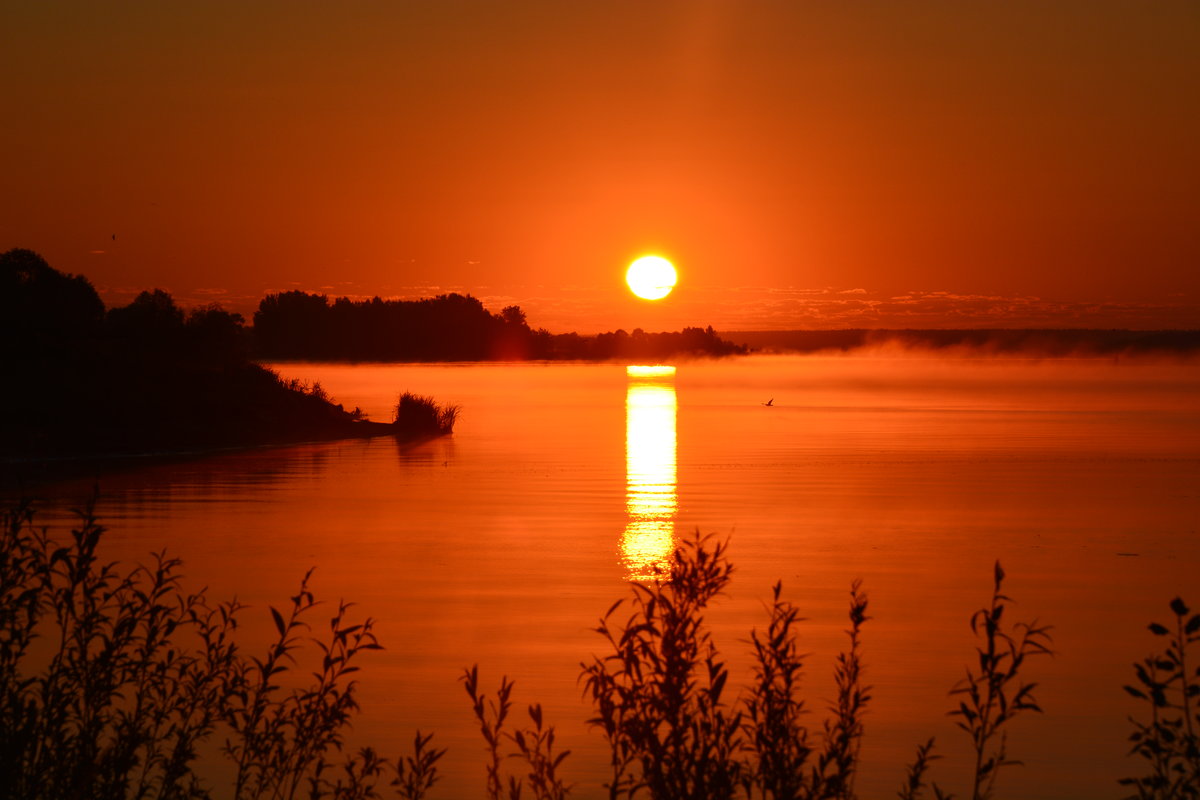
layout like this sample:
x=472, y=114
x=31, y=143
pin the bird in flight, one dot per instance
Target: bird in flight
x=770, y=402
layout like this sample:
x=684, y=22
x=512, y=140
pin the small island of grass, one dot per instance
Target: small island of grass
x=419, y=415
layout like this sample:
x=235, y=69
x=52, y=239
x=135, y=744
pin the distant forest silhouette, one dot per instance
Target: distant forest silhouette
x=449, y=327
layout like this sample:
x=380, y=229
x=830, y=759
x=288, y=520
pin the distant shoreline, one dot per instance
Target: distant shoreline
x=1033, y=342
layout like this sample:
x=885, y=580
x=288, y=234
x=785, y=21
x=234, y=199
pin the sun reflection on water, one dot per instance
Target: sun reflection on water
x=650, y=407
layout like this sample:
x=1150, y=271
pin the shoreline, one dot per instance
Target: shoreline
x=36, y=470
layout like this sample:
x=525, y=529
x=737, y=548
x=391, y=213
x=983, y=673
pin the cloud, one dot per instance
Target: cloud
x=770, y=308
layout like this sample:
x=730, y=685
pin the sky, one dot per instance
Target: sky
x=803, y=164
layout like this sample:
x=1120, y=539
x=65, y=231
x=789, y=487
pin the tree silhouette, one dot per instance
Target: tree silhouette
x=44, y=312
x=292, y=324
x=143, y=377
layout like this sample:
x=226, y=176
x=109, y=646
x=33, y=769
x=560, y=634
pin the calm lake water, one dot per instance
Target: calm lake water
x=502, y=544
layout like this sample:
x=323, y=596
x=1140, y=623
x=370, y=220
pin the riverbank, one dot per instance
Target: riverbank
x=29, y=472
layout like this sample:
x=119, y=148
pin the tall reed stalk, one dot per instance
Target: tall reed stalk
x=995, y=693
x=1170, y=682
x=534, y=746
x=659, y=693
x=785, y=760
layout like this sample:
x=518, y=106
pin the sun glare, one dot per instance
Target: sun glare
x=650, y=411
x=651, y=277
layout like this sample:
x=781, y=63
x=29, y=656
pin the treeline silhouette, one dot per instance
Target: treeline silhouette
x=449, y=327
x=1049, y=342
x=82, y=379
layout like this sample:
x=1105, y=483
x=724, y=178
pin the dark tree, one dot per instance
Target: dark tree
x=44, y=311
x=216, y=337
x=513, y=316
x=292, y=325
x=150, y=314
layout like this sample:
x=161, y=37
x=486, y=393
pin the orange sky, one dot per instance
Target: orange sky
x=803, y=164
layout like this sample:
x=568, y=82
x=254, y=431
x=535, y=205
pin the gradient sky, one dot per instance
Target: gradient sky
x=803, y=164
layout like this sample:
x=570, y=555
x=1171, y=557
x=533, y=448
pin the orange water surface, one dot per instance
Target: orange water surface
x=502, y=544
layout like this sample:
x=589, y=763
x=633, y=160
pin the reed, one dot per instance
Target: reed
x=658, y=696
x=417, y=773
x=112, y=681
x=117, y=707
x=774, y=727
x=783, y=758
x=1169, y=681
x=534, y=747
x=421, y=414
x=996, y=692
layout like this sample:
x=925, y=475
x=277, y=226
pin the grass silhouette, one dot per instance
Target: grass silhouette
x=116, y=683
x=419, y=414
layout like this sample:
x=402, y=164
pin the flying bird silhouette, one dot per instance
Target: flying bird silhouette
x=770, y=402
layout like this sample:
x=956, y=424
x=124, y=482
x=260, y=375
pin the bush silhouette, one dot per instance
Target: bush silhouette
x=420, y=415
x=137, y=677
x=44, y=312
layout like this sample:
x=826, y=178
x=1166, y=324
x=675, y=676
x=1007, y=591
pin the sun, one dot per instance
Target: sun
x=651, y=277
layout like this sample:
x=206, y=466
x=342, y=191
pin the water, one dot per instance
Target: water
x=502, y=544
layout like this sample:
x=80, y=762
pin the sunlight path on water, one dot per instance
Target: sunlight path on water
x=650, y=408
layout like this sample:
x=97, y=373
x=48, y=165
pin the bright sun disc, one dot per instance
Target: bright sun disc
x=651, y=277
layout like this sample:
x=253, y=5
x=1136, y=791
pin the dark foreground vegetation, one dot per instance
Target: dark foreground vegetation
x=83, y=380
x=1033, y=343
x=449, y=327
x=118, y=683
x=417, y=415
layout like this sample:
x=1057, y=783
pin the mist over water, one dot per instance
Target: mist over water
x=502, y=544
